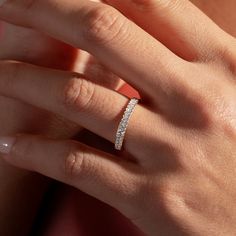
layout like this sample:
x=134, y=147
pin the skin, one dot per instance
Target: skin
x=221, y=12
x=19, y=196
x=206, y=125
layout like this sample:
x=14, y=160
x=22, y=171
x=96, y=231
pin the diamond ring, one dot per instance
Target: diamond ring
x=120, y=134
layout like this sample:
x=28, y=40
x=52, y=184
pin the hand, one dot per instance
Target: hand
x=19, y=197
x=18, y=43
x=176, y=175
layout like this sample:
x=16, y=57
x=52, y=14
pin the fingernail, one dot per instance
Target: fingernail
x=6, y=144
x=1, y=2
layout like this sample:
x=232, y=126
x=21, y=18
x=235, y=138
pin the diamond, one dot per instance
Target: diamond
x=120, y=134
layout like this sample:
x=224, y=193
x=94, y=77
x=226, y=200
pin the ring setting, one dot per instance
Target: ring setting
x=120, y=134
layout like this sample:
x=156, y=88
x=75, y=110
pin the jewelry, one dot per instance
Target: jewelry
x=120, y=134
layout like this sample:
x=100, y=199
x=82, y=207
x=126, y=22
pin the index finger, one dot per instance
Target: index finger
x=121, y=45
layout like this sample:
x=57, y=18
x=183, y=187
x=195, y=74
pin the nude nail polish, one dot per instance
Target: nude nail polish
x=6, y=144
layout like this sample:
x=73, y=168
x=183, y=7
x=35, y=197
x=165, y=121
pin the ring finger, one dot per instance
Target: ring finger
x=65, y=93
x=68, y=94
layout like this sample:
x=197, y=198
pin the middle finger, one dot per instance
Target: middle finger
x=101, y=30
x=92, y=106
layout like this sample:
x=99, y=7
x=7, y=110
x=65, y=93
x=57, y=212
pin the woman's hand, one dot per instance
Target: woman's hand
x=19, y=197
x=176, y=175
x=27, y=45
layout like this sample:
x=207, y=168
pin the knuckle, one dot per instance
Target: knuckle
x=78, y=94
x=213, y=99
x=227, y=56
x=164, y=195
x=222, y=110
x=199, y=100
x=201, y=109
x=74, y=164
x=194, y=106
x=102, y=25
x=213, y=106
x=171, y=200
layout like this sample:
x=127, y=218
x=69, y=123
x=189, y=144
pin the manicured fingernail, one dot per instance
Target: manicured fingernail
x=6, y=144
x=1, y=2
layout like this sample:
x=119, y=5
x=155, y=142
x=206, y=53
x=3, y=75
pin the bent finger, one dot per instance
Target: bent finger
x=99, y=174
x=83, y=102
x=67, y=94
x=101, y=30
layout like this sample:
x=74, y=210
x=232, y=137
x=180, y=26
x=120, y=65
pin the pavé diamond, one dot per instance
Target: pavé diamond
x=120, y=134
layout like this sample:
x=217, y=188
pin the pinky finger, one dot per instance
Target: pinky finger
x=99, y=174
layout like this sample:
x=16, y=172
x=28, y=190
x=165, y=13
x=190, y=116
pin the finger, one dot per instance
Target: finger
x=98, y=73
x=67, y=94
x=92, y=106
x=51, y=53
x=99, y=174
x=179, y=25
x=102, y=31
x=24, y=44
